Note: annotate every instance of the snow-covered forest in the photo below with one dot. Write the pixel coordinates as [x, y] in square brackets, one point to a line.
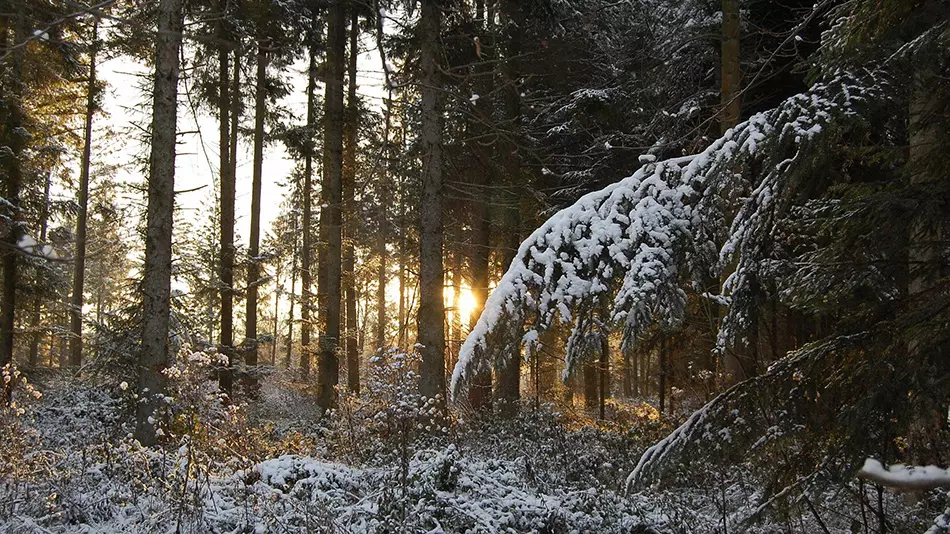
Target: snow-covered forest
[475, 266]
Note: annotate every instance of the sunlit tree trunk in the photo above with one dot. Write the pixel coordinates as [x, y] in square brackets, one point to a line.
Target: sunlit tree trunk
[331, 215]
[383, 230]
[34, 358]
[156, 283]
[293, 299]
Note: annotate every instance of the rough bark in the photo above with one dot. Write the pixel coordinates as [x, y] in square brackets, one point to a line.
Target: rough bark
[79, 262]
[329, 290]
[729, 94]
[431, 317]
[350, 213]
[156, 283]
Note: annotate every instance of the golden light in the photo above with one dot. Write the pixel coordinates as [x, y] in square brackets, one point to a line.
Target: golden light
[466, 303]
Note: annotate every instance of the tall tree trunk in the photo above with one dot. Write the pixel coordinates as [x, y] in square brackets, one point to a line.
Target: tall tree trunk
[455, 327]
[507, 388]
[16, 141]
[79, 263]
[227, 179]
[383, 230]
[603, 382]
[331, 216]
[254, 246]
[729, 115]
[591, 394]
[306, 249]
[349, 207]
[37, 307]
[431, 318]
[479, 395]
[156, 283]
[403, 247]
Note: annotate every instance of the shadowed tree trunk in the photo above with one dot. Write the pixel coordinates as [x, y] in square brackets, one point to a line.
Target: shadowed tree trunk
[156, 282]
[227, 177]
[293, 299]
[331, 215]
[79, 263]
[306, 249]
[349, 207]
[431, 318]
[16, 141]
[254, 246]
[729, 115]
[383, 230]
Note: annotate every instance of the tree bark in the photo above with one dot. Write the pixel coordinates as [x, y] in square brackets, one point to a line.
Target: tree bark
[729, 115]
[79, 263]
[431, 317]
[254, 245]
[16, 141]
[331, 215]
[290, 314]
[349, 206]
[156, 284]
[227, 178]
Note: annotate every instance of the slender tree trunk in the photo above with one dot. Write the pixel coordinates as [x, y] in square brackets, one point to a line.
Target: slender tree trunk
[306, 252]
[227, 179]
[383, 231]
[479, 395]
[431, 318]
[156, 283]
[664, 365]
[729, 115]
[455, 327]
[273, 351]
[254, 246]
[16, 141]
[349, 206]
[290, 315]
[35, 321]
[79, 263]
[402, 268]
[603, 381]
[331, 215]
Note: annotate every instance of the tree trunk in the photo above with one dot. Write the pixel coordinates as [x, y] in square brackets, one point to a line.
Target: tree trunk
[156, 283]
[479, 394]
[290, 315]
[331, 215]
[16, 141]
[603, 382]
[383, 230]
[431, 318]
[509, 375]
[254, 245]
[306, 252]
[729, 115]
[402, 267]
[35, 321]
[591, 393]
[79, 263]
[277, 289]
[227, 177]
[349, 206]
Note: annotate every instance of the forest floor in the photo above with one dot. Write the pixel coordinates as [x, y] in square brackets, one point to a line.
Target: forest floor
[276, 466]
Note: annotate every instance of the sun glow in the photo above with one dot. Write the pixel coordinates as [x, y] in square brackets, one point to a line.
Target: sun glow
[464, 307]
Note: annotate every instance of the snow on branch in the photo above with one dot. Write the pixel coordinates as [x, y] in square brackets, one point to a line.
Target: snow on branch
[630, 246]
[905, 477]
